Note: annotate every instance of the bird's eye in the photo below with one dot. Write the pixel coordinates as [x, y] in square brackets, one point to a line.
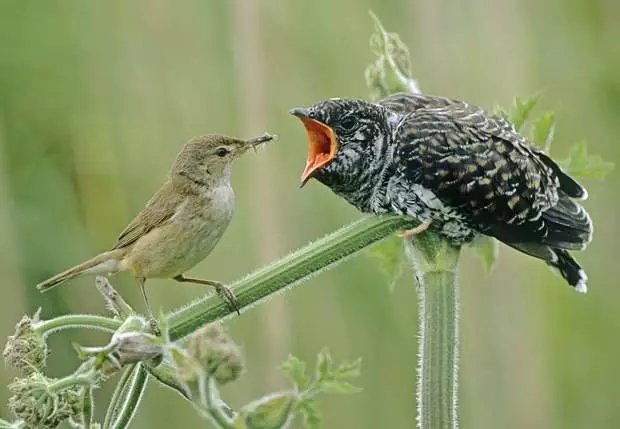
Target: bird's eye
[222, 152]
[348, 124]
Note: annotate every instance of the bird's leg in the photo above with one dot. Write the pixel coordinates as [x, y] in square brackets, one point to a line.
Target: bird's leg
[413, 231]
[152, 321]
[225, 293]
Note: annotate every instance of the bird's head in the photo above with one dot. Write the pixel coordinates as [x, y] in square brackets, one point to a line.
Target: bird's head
[345, 140]
[210, 157]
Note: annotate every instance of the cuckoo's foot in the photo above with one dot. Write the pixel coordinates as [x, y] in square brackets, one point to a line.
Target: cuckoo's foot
[413, 231]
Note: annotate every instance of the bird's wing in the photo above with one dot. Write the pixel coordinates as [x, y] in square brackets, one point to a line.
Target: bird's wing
[478, 164]
[490, 124]
[403, 102]
[157, 212]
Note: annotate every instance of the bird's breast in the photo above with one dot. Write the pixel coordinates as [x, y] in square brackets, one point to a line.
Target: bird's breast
[194, 230]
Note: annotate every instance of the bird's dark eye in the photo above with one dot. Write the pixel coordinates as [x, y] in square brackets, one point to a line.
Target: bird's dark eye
[222, 152]
[348, 124]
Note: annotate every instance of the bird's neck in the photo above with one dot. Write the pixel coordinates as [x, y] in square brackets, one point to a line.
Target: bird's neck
[361, 182]
[188, 182]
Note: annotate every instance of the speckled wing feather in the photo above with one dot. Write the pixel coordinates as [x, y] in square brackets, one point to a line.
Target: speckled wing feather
[478, 164]
[157, 212]
[490, 124]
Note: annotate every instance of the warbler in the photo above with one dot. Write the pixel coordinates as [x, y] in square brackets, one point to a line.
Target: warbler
[182, 222]
[456, 168]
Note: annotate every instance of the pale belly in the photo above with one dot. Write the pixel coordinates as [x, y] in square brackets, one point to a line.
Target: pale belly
[178, 246]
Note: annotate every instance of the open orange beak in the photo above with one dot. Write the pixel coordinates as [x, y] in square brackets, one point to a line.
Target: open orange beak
[322, 144]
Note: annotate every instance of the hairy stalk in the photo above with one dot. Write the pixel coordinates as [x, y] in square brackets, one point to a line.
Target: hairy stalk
[435, 264]
[132, 399]
[287, 271]
[120, 394]
[68, 321]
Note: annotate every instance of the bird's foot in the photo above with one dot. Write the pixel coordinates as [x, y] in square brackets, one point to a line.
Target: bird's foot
[414, 231]
[154, 326]
[228, 296]
[225, 293]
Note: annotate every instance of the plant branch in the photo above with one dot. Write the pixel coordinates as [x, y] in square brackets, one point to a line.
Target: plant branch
[302, 263]
[68, 321]
[132, 398]
[435, 264]
[120, 393]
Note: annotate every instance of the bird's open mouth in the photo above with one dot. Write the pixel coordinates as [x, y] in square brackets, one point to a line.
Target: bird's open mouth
[322, 144]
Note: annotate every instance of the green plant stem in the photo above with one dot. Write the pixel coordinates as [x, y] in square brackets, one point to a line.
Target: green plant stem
[120, 393]
[287, 271]
[132, 399]
[71, 380]
[435, 263]
[212, 406]
[68, 321]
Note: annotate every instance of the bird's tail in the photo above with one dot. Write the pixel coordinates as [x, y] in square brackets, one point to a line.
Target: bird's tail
[104, 263]
[558, 259]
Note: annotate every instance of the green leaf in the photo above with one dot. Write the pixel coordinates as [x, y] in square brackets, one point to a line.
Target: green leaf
[580, 164]
[323, 365]
[311, 414]
[521, 110]
[391, 257]
[543, 130]
[487, 248]
[296, 370]
[349, 369]
[341, 387]
[271, 412]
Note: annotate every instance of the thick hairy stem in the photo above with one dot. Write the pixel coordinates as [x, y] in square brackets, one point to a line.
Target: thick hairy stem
[435, 263]
[287, 271]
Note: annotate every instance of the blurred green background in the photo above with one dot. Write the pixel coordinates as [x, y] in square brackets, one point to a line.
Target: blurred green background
[96, 98]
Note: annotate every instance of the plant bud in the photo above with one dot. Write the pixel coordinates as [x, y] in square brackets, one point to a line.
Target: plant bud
[216, 353]
[26, 350]
[38, 405]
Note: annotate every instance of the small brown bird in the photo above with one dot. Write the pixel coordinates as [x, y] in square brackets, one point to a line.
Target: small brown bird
[180, 224]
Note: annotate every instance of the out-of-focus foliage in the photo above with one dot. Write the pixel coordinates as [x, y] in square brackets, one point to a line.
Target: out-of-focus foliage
[96, 98]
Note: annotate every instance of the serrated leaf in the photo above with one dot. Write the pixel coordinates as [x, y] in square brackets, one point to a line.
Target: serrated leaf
[580, 164]
[390, 255]
[311, 414]
[296, 370]
[323, 365]
[487, 248]
[349, 369]
[521, 110]
[338, 386]
[272, 412]
[543, 130]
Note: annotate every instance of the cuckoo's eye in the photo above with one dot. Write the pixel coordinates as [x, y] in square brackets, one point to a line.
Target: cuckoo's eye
[348, 124]
[222, 152]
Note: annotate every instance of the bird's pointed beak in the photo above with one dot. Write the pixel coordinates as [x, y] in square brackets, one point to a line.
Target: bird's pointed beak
[322, 144]
[261, 139]
[255, 141]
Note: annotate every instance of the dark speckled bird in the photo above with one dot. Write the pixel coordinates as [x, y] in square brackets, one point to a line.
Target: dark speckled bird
[456, 168]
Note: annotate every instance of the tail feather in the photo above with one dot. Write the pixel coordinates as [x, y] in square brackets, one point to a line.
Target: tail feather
[107, 262]
[559, 260]
[568, 225]
[567, 184]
